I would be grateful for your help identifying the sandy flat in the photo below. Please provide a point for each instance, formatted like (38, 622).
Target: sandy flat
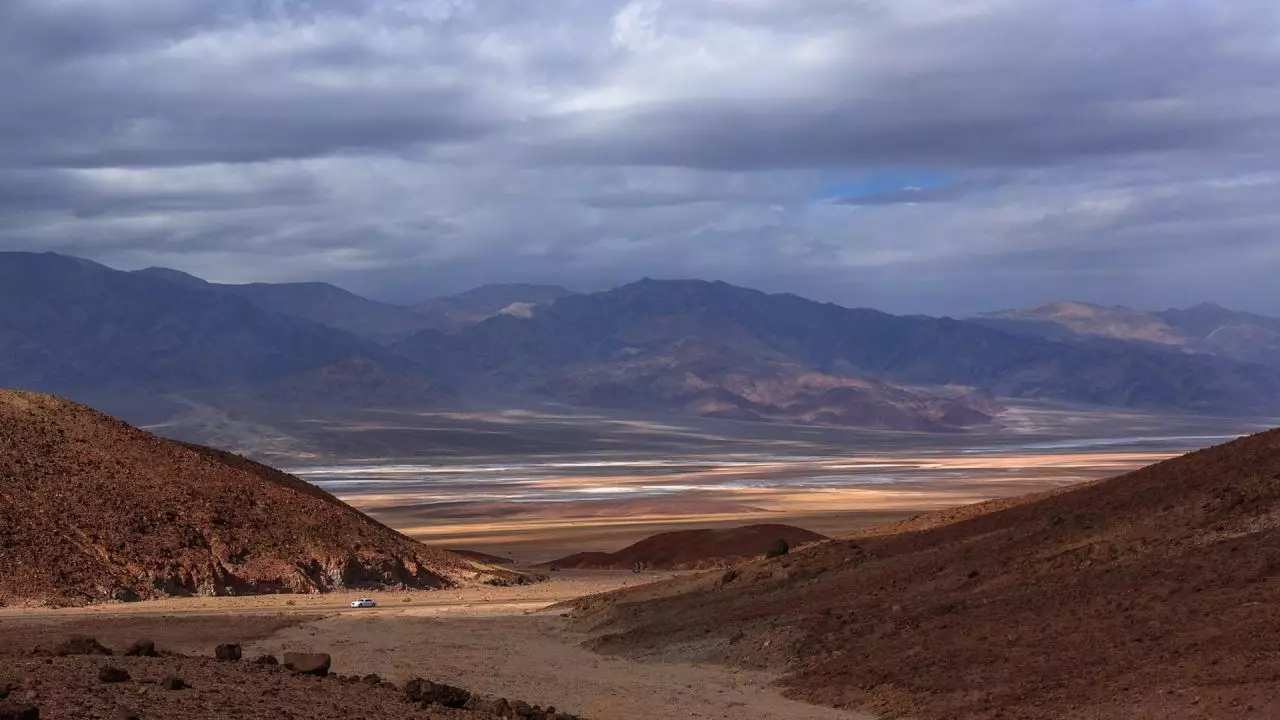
(536, 657)
(740, 494)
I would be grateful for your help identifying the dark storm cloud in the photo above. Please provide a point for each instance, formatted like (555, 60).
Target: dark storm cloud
(393, 146)
(145, 83)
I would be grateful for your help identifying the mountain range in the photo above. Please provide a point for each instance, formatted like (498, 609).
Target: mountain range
(80, 329)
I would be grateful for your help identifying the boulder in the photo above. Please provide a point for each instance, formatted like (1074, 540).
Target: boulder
(308, 663)
(81, 645)
(229, 652)
(141, 648)
(429, 693)
(113, 674)
(16, 711)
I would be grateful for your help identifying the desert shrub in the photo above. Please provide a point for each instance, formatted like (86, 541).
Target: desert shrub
(779, 548)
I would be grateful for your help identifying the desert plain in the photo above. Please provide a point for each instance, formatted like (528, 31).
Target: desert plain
(629, 478)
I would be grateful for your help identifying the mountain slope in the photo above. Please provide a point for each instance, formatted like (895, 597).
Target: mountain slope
(454, 312)
(1205, 328)
(1141, 596)
(316, 302)
(1231, 333)
(74, 327)
(681, 334)
(1064, 320)
(93, 510)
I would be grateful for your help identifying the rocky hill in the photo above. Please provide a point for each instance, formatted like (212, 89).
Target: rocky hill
(1141, 596)
(93, 510)
(693, 549)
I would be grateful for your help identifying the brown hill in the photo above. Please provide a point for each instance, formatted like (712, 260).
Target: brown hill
(92, 509)
(1148, 595)
(692, 549)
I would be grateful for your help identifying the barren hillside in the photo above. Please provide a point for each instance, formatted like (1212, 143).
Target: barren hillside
(1141, 596)
(693, 549)
(92, 509)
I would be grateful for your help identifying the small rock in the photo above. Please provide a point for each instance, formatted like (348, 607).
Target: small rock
(308, 663)
(16, 711)
(173, 683)
(112, 674)
(371, 679)
(81, 645)
(127, 715)
(227, 653)
(266, 660)
(141, 648)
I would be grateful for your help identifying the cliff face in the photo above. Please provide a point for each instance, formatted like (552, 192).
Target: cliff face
(93, 510)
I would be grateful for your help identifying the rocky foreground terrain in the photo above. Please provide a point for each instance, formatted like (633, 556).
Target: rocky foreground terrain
(80, 678)
(93, 510)
(1148, 595)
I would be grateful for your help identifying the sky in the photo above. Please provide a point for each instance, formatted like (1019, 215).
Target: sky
(931, 156)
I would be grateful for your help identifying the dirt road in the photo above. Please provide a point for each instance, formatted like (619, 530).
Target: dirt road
(538, 658)
(485, 639)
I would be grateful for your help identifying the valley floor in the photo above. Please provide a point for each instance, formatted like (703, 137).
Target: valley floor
(492, 640)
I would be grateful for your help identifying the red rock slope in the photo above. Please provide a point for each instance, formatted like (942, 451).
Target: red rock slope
(92, 509)
(1149, 595)
(693, 549)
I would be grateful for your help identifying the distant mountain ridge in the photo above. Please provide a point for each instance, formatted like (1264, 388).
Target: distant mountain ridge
(1205, 328)
(341, 309)
(455, 312)
(691, 347)
(73, 327)
(695, 340)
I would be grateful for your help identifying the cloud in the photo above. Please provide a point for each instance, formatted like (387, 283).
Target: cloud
(1097, 149)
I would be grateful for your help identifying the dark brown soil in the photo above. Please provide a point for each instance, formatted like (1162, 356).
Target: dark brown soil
(692, 549)
(71, 688)
(1149, 595)
(93, 510)
(186, 634)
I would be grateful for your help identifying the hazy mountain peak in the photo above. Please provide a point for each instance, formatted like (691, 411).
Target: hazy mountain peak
(174, 276)
(523, 290)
